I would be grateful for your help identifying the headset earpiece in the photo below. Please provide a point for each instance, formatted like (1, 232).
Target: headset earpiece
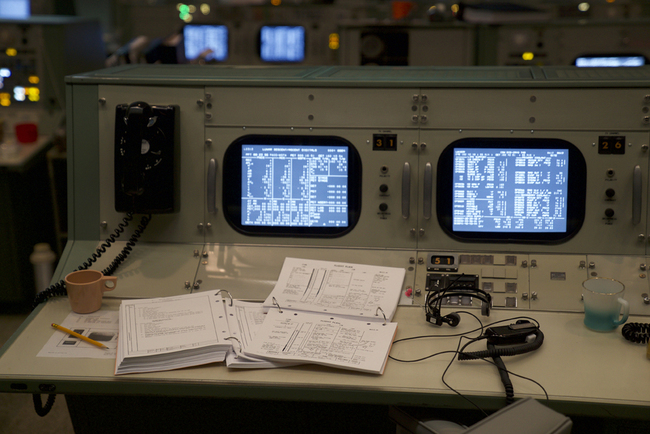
(452, 319)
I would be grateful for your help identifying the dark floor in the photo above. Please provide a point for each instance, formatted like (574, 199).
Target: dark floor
(17, 415)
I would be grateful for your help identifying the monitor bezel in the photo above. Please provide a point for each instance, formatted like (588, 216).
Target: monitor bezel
(272, 62)
(232, 182)
(576, 191)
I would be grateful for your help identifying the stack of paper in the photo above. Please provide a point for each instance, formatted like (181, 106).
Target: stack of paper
(328, 313)
(161, 334)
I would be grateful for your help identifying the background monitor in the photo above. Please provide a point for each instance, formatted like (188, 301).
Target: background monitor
(15, 9)
(282, 43)
(511, 190)
(292, 185)
(614, 60)
(206, 41)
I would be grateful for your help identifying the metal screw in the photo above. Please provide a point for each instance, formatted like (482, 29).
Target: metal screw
(533, 295)
(646, 299)
(103, 224)
(187, 284)
(208, 116)
(102, 101)
(199, 103)
(411, 260)
(199, 226)
(208, 142)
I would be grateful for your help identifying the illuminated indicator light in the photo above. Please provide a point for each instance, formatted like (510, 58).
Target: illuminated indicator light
(5, 72)
(583, 7)
(11, 52)
(611, 1)
(19, 93)
(205, 9)
(183, 12)
(334, 41)
(188, 18)
(276, 2)
(527, 55)
(34, 79)
(192, 8)
(455, 9)
(5, 99)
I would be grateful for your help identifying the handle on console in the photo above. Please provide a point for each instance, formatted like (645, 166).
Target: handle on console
(428, 190)
(406, 190)
(212, 186)
(637, 191)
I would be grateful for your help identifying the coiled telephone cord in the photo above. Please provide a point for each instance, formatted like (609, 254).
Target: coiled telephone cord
(637, 332)
(59, 289)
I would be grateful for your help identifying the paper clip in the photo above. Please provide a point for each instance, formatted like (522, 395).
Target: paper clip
(275, 303)
(227, 292)
(382, 312)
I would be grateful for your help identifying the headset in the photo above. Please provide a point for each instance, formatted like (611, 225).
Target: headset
(435, 298)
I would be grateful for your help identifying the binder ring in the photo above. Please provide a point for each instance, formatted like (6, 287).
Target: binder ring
(275, 303)
(382, 312)
(227, 292)
(236, 352)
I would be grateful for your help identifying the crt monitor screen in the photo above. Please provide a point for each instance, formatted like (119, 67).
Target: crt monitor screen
(292, 185)
(510, 190)
(207, 41)
(15, 9)
(282, 43)
(610, 60)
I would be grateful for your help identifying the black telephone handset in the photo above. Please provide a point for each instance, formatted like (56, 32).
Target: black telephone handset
(147, 158)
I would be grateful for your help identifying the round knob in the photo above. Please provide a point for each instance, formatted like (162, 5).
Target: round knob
(609, 213)
(383, 188)
(610, 193)
(383, 207)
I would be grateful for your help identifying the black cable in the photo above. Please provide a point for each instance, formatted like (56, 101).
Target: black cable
(503, 373)
(59, 289)
(38, 404)
(637, 332)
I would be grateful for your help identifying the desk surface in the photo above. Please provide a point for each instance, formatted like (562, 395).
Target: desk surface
(584, 372)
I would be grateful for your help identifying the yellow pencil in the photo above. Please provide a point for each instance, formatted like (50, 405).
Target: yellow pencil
(77, 335)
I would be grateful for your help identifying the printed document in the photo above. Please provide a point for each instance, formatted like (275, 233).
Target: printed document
(306, 337)
(338, 288)
(159, 334)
